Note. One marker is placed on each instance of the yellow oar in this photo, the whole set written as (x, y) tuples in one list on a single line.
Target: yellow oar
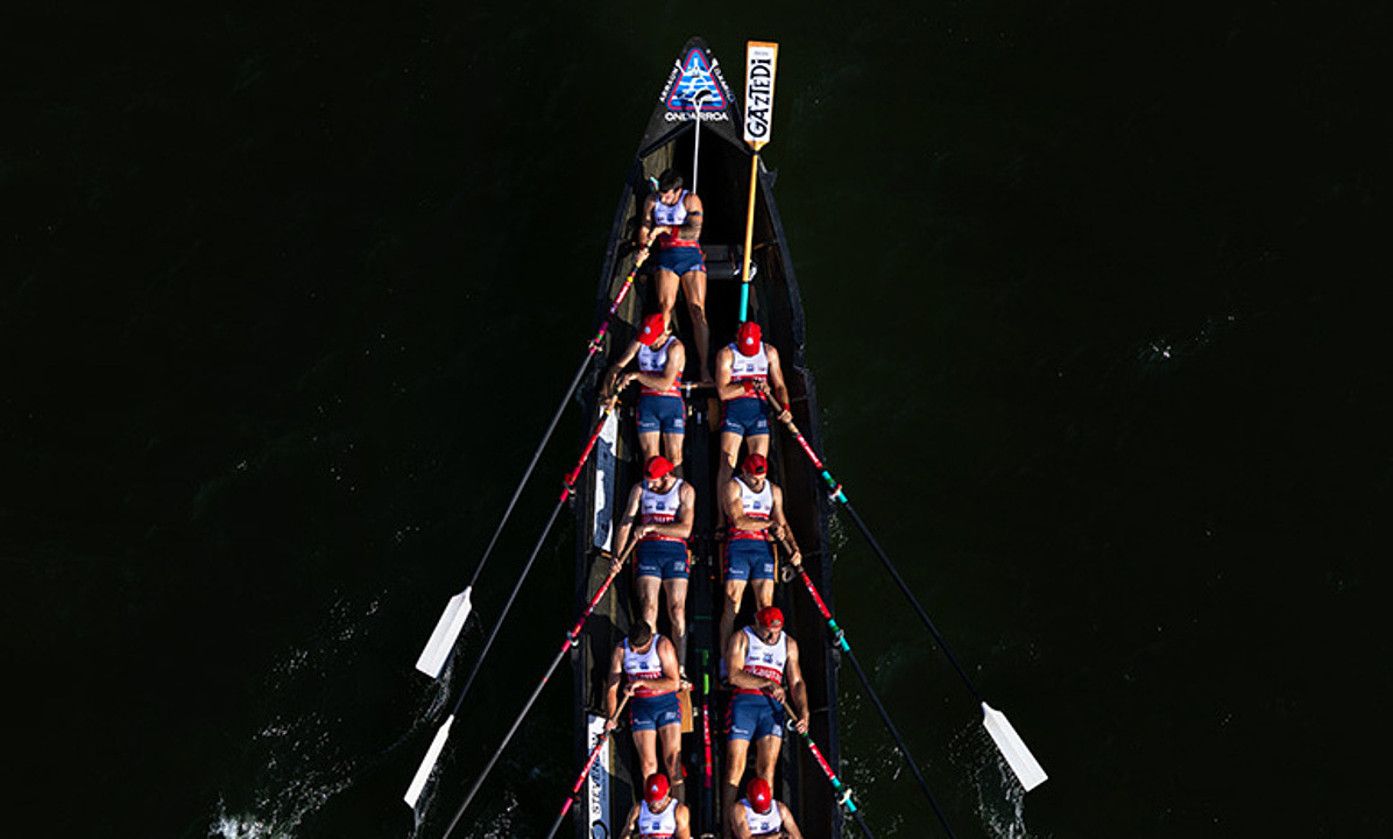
[(761, 59)]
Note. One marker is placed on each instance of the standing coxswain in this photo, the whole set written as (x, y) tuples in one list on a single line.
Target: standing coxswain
[(671, 219)]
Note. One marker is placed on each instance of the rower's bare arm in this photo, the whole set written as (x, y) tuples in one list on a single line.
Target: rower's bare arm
[(683, 816), (735, 510), (725, 388), (676, 360), (630, 823), (735, 665), (781, 530), (797, 689), (735, 817), (612, 376), (616, 673), (645, 226), (776, 378), (790, 826), (687, 515), (626, 522), (667, 656), (691, 228)]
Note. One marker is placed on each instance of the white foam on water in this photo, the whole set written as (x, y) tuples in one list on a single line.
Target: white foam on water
[(297, 760), (1000, 797)]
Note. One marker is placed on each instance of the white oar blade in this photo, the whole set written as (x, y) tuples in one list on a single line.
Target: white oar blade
[(1012, 747), (418, 783), (447, 630)]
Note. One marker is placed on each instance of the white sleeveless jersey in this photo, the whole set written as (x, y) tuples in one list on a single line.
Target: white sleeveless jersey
[(660, 508), (762, 824), (643, 667), (655, 361), (751, 367), (765, 660), (659, 825), (670, 215), (756, 505)]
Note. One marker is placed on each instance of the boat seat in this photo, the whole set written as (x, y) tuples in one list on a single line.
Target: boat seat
[(723, 262)]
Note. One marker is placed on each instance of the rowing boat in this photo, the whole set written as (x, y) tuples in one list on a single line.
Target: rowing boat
[(672, 139)]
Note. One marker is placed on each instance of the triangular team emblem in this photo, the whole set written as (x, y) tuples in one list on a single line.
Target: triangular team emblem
[(696, 76)]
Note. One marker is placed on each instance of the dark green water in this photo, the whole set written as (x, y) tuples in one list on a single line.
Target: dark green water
[(288, 295)]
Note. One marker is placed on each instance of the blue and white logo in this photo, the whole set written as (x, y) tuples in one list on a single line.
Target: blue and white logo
[(696, 76)]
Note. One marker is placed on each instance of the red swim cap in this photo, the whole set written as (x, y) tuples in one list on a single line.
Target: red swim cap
[(657, 467), (655, 788), (748, 338), (769, 616), (653, 328), (755, 464), (760, 796)]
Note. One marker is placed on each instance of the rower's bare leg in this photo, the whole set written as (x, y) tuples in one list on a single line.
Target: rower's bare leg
[(666, 283), (694, 287), (672, 448), (730, 452), (764, 593), (767, 757), (648, 444), (670, 738), (735, 589), (647, 588), (646, 744), (676, 591)]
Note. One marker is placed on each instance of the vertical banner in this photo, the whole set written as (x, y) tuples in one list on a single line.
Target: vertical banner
[(761, 60), (597, 783), (605, 472)]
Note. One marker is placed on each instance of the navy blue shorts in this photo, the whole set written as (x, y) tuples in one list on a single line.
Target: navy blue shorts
[(681, 260), (661, 413), (650, 713), (749, 559), (747, 416), (662, 559), (751, 717)]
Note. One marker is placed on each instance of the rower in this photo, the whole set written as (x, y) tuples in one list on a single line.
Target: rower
[(745, 371), (671, 218), (763, 663), (658, 815), (758, 815), (648, 664), (661, 411), (754, 508), (665, 506)]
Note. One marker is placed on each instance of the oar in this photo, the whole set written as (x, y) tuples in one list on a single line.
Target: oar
[(423, 772), (572, 639), (839, 637), (761, 59), (1008, 742), (585, 771), (447, 628), (842, 790), (696, 129)]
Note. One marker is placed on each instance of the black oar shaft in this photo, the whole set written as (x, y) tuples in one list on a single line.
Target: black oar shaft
[(909, 595), (572, 637), (532, 464), (843, 791), (517, 723), (839, 638), (837, 494), (507, 605)]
